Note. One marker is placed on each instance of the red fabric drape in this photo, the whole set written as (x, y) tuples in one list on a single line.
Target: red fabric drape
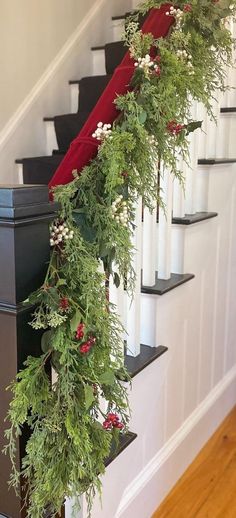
[(84, 147)]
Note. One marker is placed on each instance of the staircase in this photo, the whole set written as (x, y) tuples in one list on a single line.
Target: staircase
[(184, 298)]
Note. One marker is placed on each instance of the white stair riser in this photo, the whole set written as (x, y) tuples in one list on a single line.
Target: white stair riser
[(74, 98), (117, 29), (232, 136), (51, 140), (19, 173), (98, 62)]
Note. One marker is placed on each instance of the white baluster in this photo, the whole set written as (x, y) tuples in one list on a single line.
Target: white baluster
[(211, 128), (202, 187), (229, 98), (149, 247), (202, 116), (134, 305), (178, 192), (165, 222), (191, 169), (117, 296)]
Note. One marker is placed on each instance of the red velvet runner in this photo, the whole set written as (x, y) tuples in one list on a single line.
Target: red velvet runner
[(84, 147)]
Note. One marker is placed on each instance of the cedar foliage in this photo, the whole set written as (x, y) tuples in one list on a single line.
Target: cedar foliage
[(68, 444)]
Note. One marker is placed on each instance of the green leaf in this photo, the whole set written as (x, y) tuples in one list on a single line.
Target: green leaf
[(142, 117), (87, 231), (88, 396), (45, 341), (107, 378), (116, 279), (192, 126), (61, 282), (75, 321)]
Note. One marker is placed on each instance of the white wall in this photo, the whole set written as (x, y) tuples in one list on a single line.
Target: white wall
[(31, 34), (42, 46), (180, 399)]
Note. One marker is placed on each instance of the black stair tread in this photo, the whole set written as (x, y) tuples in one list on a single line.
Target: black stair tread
[(190, 219), (216, 161), (48, 159), (98, 47), (231, 109), (39, 170), (120, 16), (90, 90), (68, 126), (124, 441), (78, 81), (163, 286), (147, 355)]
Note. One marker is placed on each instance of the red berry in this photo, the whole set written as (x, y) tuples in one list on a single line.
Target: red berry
[(174, 128), (106, 425), (188, 8), (92, 340), (85, 348), (118, 425), (64, 303), (80, 331), (112, 417)]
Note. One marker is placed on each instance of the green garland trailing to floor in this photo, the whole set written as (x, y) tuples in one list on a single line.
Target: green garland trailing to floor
[(71, 430)]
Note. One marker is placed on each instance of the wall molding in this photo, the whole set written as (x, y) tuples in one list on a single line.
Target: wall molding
[(171, 446), (47, 76)]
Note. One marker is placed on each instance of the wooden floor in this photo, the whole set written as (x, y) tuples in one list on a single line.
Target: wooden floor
[(208, 488)]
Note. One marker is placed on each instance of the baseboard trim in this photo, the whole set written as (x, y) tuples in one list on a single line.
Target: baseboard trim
[(47, 76), (158, 462)]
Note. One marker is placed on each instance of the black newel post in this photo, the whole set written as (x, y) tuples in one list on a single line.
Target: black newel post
[(25, 213)]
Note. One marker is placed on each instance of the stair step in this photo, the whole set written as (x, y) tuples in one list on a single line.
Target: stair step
[(216, 161), (68, 126), (136, 364), (90, 90), (231, 109), (163, 286), (124, 441), (122, 16), (114, 53), (190, 219), (39, 170)]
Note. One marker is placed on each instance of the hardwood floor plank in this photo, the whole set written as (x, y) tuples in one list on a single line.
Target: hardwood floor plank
[(208, 487)]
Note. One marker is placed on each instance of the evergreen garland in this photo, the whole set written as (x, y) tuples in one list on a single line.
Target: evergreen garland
[(71, 427)]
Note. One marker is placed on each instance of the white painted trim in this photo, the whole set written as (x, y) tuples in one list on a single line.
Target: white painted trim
[(51, 70), (174, 442)]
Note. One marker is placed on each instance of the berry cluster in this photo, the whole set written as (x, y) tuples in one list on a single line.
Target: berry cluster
[(177, 13), (112, 421), (183, 54), (80, 331), (119, 210), (85, 346), (102, 132), (147, 64), (64, 304), (175, 128), (59, 232)]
